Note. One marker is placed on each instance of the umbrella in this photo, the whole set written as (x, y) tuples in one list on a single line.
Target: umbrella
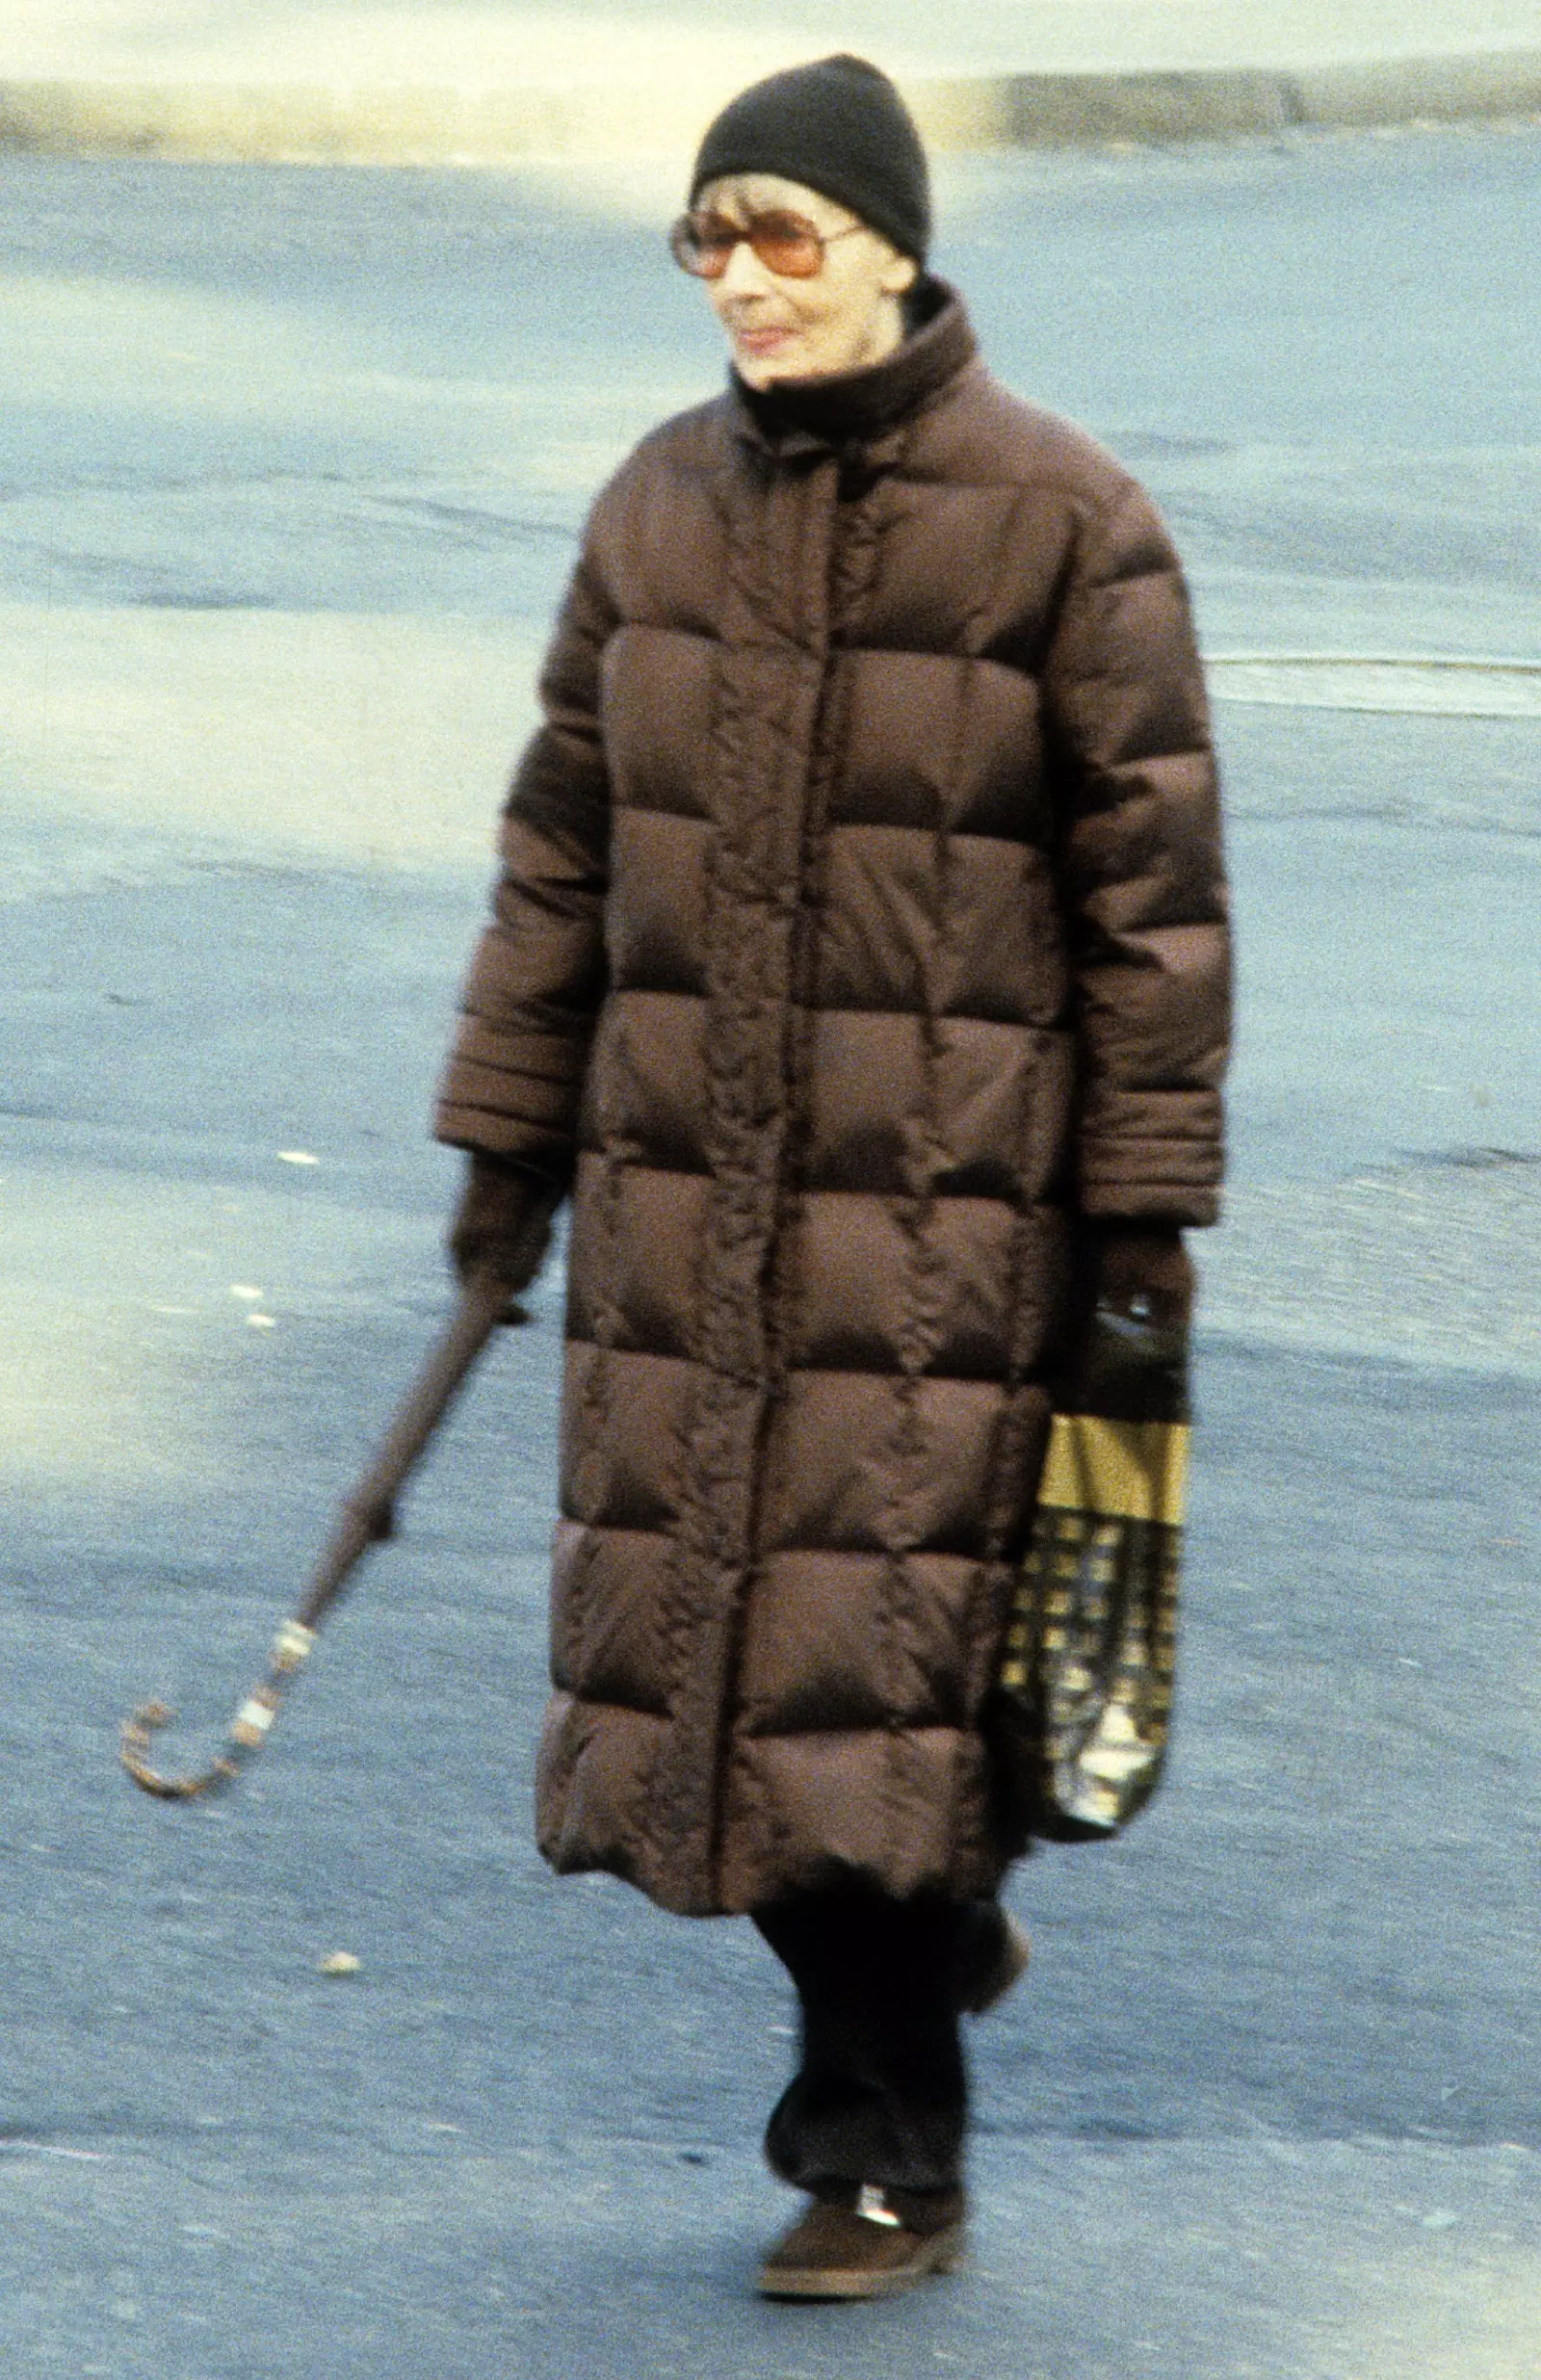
[(366, 1518)]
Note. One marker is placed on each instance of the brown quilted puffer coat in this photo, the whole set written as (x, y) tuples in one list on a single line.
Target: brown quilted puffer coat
[(861, 924)]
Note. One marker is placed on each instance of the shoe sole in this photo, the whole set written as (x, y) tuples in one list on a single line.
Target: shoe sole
[(934, 2258)]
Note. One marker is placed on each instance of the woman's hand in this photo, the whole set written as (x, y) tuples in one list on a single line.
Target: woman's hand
[(504, 1224)]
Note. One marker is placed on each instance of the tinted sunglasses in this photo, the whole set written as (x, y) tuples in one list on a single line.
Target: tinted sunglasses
[(787, 245)]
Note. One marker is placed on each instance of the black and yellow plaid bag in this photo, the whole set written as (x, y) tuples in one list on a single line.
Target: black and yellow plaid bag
[(1084, 1696)]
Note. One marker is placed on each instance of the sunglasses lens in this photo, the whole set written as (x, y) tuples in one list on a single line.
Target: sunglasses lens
[(703, 246), (693, 254), (786, 245)]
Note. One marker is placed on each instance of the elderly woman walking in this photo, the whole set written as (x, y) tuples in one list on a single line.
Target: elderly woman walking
[(859, 968)]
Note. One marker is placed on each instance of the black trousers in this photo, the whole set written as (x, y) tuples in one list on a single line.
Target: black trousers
[(881, 2093)]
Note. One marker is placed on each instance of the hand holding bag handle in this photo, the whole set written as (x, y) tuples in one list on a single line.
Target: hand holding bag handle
[(1083, 1703)]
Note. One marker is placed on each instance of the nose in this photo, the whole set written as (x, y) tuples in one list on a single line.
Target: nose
[(746, 275)]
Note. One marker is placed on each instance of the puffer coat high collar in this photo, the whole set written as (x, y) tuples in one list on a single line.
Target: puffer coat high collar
[(802, 416), (860, 930)]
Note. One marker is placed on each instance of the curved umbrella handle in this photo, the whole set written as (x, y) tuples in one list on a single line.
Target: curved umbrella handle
[(367, 1517)]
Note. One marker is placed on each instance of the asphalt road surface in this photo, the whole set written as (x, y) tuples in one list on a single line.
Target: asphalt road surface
[(291, 466)]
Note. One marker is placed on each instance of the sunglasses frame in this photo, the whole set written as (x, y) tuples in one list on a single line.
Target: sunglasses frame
[(682, 240)]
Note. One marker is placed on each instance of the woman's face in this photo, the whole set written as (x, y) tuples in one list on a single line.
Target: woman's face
[(846, 316)]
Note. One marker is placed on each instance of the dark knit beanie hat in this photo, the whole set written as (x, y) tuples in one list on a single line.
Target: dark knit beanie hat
[(839, 127)]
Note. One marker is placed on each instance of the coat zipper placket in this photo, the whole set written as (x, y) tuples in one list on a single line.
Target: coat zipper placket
[(817, 577)]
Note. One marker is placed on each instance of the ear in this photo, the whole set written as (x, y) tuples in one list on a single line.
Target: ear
[(899, 273)]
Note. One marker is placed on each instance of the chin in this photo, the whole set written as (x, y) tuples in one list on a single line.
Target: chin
[(763, 371)]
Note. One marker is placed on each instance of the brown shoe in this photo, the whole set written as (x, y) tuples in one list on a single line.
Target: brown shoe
[(1004, 1964), (867, 2243)]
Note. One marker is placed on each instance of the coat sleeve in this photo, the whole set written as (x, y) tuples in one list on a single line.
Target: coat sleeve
[(515, 1070), (1141, 874)]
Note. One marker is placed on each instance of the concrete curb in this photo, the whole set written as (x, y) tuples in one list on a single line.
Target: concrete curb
[(1049, 110), (402, 125)]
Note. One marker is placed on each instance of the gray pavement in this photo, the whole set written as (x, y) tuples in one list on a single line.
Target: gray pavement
[(1267, 2108)]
